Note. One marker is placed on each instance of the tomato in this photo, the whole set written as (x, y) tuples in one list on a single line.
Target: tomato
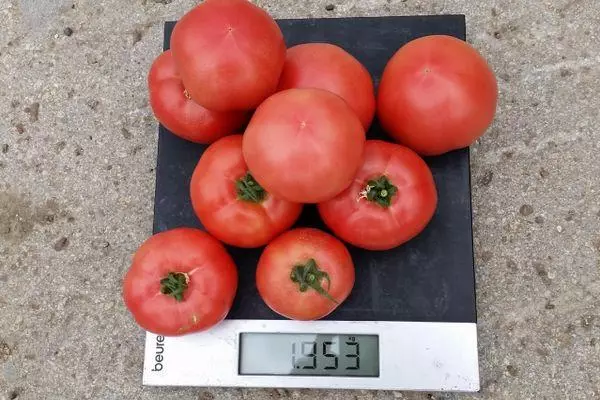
[(230, 54), (392, 199), (304, 274), (180, 281), (304, 145), (327, 66), (175, 110), (231, 205), (437, 94)]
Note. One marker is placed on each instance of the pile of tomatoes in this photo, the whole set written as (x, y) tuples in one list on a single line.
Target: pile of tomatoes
[(287, 127)]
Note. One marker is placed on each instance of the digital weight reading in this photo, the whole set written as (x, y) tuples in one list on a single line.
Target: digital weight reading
[(309, 354)]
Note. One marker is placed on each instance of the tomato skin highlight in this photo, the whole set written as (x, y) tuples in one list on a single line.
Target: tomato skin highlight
[(230, 54), (211, 288), (295, 247), (330, 67), (367, 224), (304, 145), (181, 115), (437, 94), (217, 204)]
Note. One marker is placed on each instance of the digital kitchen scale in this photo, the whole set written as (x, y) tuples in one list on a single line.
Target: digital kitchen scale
[(410, 321)]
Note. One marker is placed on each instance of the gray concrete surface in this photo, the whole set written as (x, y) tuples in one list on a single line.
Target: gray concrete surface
[(77, 151)]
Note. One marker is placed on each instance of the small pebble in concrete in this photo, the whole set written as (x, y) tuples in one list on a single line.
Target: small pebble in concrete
[(512, 265), (206, 396), (60, 146), (330, 7), (68, 31), (100, 244), (565, 72), (126, 134), (5, 351), (486, 178), (526, 210), (542, 273), (559, 229), (5, 148), (61, 244), (504, 76), (539, 219), (587, 321), (570, 215), (92, 104), (34, 111), (137, 36), (513, 371)]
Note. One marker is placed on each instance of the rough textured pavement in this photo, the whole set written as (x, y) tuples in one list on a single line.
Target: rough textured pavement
[(77, 151)]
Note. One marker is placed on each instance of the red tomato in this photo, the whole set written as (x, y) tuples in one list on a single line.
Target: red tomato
[(305, 274), (327, 66), (175, 110), (437, 94), (391, 200), (304, 145), (231, 205), (180, 281), (230, 54)]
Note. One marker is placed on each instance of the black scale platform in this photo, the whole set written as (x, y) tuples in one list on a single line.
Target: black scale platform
[(431, 278)]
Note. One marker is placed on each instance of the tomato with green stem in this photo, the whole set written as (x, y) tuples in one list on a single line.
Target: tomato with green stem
[(180, 281), (229, 202), (392, 199), (305, 274)]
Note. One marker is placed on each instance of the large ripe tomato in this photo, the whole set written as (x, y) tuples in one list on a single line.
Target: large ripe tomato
[(180, 281), (305, 274), (304, 145), (327, 66), (231, 205), (176, 111), (391, 200), (230, 54), (437, 94)]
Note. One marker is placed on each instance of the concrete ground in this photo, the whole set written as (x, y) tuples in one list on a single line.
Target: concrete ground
[(78, 148)]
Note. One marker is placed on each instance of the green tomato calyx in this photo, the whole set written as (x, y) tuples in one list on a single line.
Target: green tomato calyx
[(379, 191), (250, 190), (309, 276), (174, 285)]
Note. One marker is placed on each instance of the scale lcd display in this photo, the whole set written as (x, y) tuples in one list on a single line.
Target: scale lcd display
[(309, 354)]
